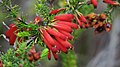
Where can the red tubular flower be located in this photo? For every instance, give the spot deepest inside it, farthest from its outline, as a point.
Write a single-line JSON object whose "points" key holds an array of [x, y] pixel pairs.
{"points": [[63, 27], [64, 43], [10, 31], [86, 25], [54, 49], [94, 2], [111, 2], [56, 11], [47, 43], [11, 25], [64, 17], [37, 20], [70, 37], [62, 48], [11, 34], [49, 55], [48, 37], [79, 22], [56, 33], [72, 25], [55, 56], [82, 18]]}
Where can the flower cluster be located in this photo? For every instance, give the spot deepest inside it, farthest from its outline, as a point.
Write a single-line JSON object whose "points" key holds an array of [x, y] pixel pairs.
{"points": [[57, 35], [33, 55], [81, 20], [98, 21]]}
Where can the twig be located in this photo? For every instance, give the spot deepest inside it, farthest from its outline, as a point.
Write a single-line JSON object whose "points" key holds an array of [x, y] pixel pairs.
{"points": [[3, 35], [5, 25]]}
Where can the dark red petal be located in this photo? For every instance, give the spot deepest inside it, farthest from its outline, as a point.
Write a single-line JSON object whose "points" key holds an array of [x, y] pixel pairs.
{"points": [[12, 39], [37, 19], [94, 2], [55, 56], [49, 55]]}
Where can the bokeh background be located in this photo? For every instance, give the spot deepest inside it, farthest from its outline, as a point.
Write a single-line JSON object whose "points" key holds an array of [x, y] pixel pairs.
{"points": [[90, 50]]}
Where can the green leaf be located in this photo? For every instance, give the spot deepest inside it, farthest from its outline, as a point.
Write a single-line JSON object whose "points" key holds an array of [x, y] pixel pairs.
{"points": [[44, 53], [23, 34]]}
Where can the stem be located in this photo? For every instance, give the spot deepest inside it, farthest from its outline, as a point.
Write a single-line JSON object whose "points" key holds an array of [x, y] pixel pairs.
{"points": [[5, 25], [3, 35]]}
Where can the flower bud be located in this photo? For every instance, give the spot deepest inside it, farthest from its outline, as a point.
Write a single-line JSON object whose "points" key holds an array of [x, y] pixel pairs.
{"points": [[36, 56], [108, 27], [56, 11], [12, 39]]}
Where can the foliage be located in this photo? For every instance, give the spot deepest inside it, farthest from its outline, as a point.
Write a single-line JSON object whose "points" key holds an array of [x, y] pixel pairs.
{"points": [[51, 35]]}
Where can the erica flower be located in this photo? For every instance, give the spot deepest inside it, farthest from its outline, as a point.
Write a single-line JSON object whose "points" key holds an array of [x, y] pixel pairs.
{"points": [[70, 37], [63, 27], [11, 34], [111, 2], [103, 17], [64, 17], [82, 18], [56, 11], [33, 55], [56, 33], [37, 20], [79, 22], [94, 2], [54, 55], [11, 31], [71, 24], [98, 22]]}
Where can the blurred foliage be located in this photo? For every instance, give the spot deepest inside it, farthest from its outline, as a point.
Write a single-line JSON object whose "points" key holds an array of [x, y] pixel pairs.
{"points": [[11, 59]]}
